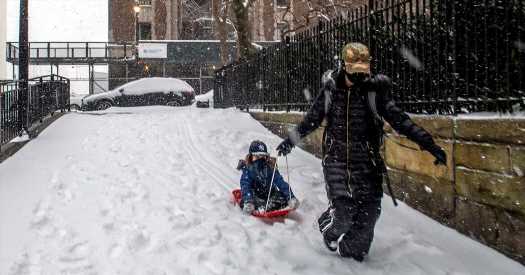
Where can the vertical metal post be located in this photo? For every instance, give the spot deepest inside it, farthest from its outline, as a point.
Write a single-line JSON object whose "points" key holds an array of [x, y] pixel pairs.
{"points": [[288, 70], [137, 29], [23, 65], [372, 32], [91, 79], [164, 68], [127, 71], [200, 80]]}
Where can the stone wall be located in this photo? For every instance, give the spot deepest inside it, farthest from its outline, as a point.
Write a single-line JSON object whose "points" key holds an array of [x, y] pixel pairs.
{"points": [[481, 193]]}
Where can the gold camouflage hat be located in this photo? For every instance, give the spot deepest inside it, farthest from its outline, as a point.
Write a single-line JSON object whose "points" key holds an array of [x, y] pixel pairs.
{"points": [[356, 58]]}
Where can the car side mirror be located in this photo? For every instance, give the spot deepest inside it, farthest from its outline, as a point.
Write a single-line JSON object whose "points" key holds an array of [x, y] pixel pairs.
{"points": [[121, 91]]}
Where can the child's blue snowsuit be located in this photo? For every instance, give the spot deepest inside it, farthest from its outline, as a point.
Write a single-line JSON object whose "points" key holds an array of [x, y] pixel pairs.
{"points": [[255, 184]]}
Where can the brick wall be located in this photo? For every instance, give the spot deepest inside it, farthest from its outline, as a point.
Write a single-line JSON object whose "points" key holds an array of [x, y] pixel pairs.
{"points": [[122, 20], [481, 193]]}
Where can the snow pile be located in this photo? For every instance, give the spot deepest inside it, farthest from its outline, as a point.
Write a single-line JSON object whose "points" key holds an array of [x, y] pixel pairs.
{"points": [[22, 138], [205, 97], [146, 190]]}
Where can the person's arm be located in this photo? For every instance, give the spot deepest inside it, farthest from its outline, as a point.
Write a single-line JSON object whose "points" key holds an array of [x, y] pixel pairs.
{"points": [[313, 119], [400, 121], [314, 116], [246, 186]]}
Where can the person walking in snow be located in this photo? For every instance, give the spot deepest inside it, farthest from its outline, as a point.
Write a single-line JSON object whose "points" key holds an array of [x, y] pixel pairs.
{"points": [[354, 104], [256, 180]]}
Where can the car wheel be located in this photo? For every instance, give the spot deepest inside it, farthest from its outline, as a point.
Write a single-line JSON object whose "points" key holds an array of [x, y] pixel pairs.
{"points": [[74, 107], [103, 105], [173, 103]]}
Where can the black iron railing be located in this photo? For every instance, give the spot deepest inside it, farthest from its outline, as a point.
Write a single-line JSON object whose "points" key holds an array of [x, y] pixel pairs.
{"points": [[146, 3], [46, 95], [94, 52], [445, 57]]}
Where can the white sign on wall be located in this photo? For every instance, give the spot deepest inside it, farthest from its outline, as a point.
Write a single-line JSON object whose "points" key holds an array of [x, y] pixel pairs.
{"points": [[153, 50]]}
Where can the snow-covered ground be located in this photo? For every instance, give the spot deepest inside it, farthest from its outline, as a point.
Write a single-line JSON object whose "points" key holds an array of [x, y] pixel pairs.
{"points": [[146, 191]]}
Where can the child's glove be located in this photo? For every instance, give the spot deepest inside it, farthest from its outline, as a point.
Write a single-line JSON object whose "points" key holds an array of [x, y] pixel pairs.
{"points": [[248, 208], [293, 203]]}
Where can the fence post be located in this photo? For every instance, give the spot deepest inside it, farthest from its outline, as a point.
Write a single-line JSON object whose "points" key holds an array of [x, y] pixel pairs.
{"points": [[23, 65], [371, 31], [288, 70], [319, 46]]}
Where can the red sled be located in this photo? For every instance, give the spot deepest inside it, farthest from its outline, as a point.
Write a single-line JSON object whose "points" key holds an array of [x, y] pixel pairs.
{"points": [[268, 214]]}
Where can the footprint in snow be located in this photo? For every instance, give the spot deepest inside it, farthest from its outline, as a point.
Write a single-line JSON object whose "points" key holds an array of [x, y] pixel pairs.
{"points": [[42, 221], [27, 264], [115, 251]]}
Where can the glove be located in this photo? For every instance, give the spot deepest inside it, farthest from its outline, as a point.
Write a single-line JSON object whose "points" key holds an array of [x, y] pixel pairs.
{"points": [[285, 147], [293, 203], [439, 154], [248, 208]]}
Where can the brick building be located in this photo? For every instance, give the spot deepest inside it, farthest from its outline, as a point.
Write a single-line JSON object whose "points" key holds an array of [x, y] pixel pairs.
{"points": [[160, 20], [183, 20], [192, 19]]}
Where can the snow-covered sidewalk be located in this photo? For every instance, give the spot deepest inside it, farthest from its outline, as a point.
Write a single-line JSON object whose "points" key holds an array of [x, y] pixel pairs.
{"points": [[146, 191]]}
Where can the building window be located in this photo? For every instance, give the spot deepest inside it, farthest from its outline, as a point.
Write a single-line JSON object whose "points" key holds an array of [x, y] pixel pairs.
{"points": [[282, 3], [146, 3], [144, 31]]}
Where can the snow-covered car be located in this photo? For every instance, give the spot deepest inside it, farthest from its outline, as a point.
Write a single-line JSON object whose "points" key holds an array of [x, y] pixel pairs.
{"points": [[205, 100], [75, 101], [142, 92], [203, 104]]}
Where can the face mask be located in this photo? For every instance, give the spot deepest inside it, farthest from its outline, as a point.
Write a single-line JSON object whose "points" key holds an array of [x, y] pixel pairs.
{"points": [[357, 77]]}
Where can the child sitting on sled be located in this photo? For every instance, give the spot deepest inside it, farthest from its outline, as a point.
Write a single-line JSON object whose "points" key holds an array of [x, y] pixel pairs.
{"points": [[257, 171]]}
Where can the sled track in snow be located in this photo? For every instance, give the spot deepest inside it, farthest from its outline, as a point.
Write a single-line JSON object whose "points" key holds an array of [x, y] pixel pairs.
{"points": [[143, 194], [198, 157]]}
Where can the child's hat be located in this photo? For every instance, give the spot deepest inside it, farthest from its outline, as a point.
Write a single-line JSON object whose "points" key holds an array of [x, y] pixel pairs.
{"points": [[258, 148]]}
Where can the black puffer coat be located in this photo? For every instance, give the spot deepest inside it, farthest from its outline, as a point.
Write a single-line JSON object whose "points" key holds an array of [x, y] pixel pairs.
{"points": [[353, 135]]}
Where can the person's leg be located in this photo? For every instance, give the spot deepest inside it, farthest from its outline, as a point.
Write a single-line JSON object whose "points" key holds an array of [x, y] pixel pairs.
{"points": [[337, 219], [277, 201], [356, 242]]}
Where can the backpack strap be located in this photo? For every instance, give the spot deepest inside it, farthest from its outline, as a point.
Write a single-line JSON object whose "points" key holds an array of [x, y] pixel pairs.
{"points": [[373, 107]]}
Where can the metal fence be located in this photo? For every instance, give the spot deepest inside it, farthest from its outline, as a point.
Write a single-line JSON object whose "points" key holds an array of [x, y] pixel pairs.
{"points": [[444, 57], [46, 95]]}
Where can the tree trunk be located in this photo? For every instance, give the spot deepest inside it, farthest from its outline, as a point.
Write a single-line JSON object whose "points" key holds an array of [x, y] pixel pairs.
{"points": [[242, 24], [160, 19], [220, 14]]}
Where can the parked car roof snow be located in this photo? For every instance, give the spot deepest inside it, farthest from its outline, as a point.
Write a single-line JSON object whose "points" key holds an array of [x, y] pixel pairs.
{"points": [[143, 86]]}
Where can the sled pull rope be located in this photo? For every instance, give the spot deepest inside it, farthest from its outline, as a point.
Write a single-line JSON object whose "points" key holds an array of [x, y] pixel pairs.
{"points": [[288, 176], [271, 185]]}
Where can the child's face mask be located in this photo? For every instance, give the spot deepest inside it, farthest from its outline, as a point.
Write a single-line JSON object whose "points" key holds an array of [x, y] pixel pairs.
{"points": [[258, 158]]}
